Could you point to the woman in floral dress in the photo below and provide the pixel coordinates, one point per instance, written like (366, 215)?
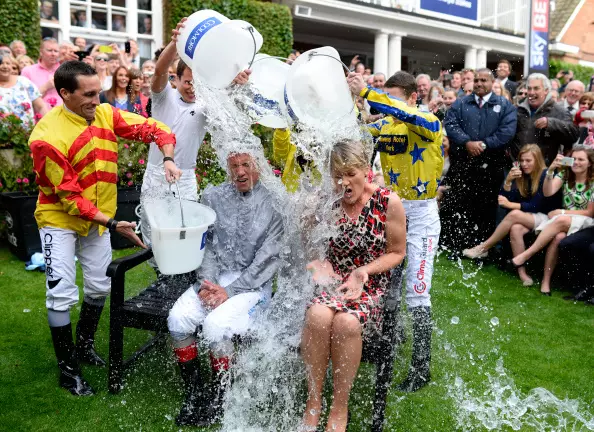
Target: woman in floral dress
(18, 95)
(371, 241)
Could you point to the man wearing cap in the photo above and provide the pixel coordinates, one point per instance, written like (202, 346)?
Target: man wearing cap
(410, 145)
(234, 283)
(176, 107)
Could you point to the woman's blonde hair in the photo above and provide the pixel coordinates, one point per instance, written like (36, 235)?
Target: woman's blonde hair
(539, 166)
(348, 154)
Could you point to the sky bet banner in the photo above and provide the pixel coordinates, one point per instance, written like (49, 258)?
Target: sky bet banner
(454, 9)
(538, 50)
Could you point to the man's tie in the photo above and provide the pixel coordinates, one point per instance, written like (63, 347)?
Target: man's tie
(481, 102)
(570, 109)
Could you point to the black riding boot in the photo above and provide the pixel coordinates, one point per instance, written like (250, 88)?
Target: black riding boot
(70, 373)
(418, 374)
(220, 383)
(195, 411)
(85, 334)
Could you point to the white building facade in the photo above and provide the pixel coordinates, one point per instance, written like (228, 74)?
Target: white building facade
(414, 35)
(105, 21)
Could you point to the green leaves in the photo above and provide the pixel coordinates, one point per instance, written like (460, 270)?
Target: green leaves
(20, 20)
(581, 73)
(272, 20)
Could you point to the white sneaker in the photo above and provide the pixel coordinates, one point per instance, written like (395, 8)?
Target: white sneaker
(475, 252)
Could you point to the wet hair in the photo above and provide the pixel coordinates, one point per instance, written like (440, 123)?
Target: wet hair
(404, 81)
(348, 154)
(539, 166)
(570, 175)
(181, 67)
(66, 76)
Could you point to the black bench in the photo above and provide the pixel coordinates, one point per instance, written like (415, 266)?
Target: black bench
(150, 308)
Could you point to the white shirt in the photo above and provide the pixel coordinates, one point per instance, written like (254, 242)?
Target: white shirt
(485, 98)
(502, 81)
(576, 107)
(186, 121)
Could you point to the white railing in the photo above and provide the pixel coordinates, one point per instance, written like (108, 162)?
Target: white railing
(505, 15)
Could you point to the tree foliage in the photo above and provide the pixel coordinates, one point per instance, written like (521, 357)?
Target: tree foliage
(581, 73)
(20, 20)
(272, 20)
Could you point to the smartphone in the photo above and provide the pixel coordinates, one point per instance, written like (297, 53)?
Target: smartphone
(567, 161)
(105, 49)
(127, 47)
(434, 94)
(588, 114)
(81, 55)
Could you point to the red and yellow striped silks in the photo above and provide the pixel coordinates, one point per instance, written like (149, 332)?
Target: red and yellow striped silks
(76, 164)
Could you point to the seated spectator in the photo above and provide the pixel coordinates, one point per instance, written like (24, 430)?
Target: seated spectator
(18, 95)
(67, 52)
(42, 73)
(577, 185)
(352, 282)
(522, 194)
(24, 61)
(541, 121)
(125, 92)
(234, 283)
(18, 48)
(102, 68)
(500, 91)
(449, 97)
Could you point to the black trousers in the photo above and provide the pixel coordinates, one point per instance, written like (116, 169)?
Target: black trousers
(469, 208)
(577, 254)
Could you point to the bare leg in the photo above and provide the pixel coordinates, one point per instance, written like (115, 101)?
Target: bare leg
(315, 350)
(516, 237)
(514, 217)
(551, 262)
(347, 343)
(561, 224)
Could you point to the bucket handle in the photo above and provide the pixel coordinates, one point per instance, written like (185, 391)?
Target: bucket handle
(250, 29)
(315, 54)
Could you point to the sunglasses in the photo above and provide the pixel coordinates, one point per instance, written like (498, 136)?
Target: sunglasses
(101, 59)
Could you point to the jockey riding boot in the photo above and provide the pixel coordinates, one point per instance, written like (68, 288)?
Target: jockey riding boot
(85, 334)
(419, 374)
(220, 384)
(195, 410)
(70, 374)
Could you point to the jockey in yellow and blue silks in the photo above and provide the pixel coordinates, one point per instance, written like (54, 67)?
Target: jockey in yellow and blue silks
(410, 145)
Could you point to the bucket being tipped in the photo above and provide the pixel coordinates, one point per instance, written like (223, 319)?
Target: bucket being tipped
(196, 27)
(316, 93)
(175, 253)
(268, 78)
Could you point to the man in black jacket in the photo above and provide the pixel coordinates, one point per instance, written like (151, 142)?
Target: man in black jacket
(503, 72)
(541, 121)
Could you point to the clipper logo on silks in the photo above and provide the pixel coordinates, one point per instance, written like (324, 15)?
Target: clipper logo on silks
(203, 240)
(197, 33)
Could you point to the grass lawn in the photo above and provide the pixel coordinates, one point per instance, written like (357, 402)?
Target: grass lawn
(543, 342)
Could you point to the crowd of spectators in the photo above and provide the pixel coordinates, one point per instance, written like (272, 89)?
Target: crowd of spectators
(27, 86)
(499, 138)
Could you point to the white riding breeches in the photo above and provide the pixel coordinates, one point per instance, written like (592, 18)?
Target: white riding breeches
(421, 246)
(59, 246)
(233, 317)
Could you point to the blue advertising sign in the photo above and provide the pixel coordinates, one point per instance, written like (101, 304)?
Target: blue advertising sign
(539, 37)
(454, 9)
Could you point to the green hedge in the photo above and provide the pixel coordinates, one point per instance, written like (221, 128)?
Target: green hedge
(20, 20)
(582, 73)
(272, 20)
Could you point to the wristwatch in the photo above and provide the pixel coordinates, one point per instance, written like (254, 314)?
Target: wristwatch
(483, 145)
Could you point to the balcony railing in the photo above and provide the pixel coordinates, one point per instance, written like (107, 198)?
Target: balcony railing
(506, 15)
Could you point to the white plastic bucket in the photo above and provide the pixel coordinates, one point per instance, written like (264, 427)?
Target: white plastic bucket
(268, 78)
(177, 253)
(196, 27)
(224, 51)
(316, 93)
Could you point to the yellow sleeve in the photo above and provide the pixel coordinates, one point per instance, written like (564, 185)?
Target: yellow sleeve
(281, 145)
(376, 127)
(426, 125)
